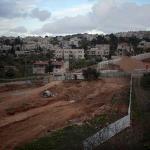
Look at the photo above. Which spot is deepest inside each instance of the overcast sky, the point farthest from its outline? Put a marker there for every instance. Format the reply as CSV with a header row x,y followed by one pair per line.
x,y
61,17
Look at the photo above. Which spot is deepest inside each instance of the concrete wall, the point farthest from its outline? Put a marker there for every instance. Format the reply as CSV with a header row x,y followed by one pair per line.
x,y
111,130
142,56
106,133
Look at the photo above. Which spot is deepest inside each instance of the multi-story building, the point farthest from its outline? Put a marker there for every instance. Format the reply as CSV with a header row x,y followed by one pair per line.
x,y
30,45
90,37
69,53
124,48
101,50
60,68
74,41
4,49
39,67
144,45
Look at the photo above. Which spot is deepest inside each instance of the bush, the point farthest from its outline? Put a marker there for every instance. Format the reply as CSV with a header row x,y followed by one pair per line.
x,y
10,73
145,81
90,74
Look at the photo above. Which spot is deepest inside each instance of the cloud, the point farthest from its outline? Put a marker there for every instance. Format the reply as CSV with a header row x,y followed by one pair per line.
x,y
72,12
106,16
19,29
42,15
9,9
124,17
67,25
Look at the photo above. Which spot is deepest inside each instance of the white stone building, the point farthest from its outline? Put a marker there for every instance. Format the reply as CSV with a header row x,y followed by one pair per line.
x,y
144,45
102,50
60,68
124,48
39,67
4,49
69,53
74,41
90,37
30,45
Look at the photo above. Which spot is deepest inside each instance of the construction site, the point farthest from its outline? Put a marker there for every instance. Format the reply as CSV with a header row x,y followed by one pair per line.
x,y
31,111
25,114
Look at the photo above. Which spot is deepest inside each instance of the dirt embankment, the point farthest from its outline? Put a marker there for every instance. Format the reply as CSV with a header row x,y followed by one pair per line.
x,y
25,114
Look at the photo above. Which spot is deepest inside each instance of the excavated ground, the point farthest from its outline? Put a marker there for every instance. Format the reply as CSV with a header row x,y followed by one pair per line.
x,y
25,114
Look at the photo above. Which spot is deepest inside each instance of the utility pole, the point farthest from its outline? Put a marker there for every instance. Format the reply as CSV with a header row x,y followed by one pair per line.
x,y
25,73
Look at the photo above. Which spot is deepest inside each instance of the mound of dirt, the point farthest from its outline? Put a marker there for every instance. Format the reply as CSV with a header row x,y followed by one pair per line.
x,y
128,64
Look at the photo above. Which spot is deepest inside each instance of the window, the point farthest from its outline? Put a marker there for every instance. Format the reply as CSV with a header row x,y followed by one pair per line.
x,y
93,52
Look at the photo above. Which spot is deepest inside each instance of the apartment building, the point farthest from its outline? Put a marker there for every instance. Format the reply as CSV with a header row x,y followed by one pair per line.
x,y
102,50
60,68
39,67
124,48
4,49
144,45
74,41
69,53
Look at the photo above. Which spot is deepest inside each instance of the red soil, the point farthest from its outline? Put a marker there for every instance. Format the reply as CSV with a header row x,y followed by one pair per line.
x,y
26,115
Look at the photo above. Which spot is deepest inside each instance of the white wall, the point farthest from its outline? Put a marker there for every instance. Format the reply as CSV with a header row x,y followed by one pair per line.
x,y
111,130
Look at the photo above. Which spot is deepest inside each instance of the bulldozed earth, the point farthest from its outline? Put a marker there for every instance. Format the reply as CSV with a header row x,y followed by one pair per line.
x,y
26,115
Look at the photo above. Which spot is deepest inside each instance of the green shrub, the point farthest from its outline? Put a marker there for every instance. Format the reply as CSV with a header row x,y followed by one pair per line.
x,y
90,74
145,81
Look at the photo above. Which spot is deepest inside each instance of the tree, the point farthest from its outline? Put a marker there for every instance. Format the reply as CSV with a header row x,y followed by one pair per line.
x,y
2,71
134,41
99,40
18,41
73,46
84,43
90,74
12,50
113,43
10,73
7,42
54,41
145,81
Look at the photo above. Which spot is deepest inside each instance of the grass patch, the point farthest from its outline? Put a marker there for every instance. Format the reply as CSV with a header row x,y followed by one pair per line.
x,y
145,81
99,121
69,138
136,112
121,98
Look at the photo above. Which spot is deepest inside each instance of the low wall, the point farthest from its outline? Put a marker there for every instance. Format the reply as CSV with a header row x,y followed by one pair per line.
x,y
114,74
111,130
106,133
142,56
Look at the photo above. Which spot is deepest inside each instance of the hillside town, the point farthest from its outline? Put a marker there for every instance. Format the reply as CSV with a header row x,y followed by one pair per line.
x,y
74,74
40,54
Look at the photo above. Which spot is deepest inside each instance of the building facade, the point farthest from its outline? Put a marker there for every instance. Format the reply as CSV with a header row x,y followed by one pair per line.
x,y
124,48
144,45
69,53
101,50
39,67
